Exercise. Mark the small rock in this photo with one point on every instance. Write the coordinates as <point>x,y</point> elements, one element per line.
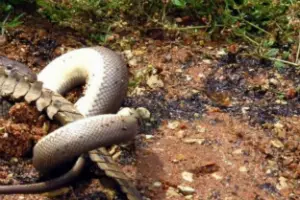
<point>206,61</point>
<point>173,125</point>
<point>157,184</point>
<point>282,183</point>
<point>133,62</point>
<point>273,81</point>
<point>201,75</point>
<point>243,169</point>
<point>277,144</point>
<point>216,176</point>
<point>186,190</point>
<point>138,91</point>
<point>128,54</point>
<point>154,82</point>
<point>245,110</point>
<point>282,102</point>
<point>148,137</point>
<point>188,78</point>
<point>188,197</point>
<point>200,129</point>
<point>180,134</point>
<point>187,176</point>
<point>5,135</point>
<point>220,53</point>
<point>179,70</point>
<point>14,160</point>
<point>171,192</point>
<point>238,151</point>
<point>193,140</point>
<point>278,125</point>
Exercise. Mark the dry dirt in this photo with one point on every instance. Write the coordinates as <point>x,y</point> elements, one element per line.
<point>222,126</point>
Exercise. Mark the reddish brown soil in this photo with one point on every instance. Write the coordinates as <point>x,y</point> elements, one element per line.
<point>232,122</point>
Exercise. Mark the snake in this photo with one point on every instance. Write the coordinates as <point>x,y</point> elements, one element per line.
<point>90,125</point>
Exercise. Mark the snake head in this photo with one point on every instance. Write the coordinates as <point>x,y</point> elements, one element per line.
<point>17,69</point>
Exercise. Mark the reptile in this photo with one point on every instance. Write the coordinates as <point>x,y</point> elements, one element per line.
<point>89,126</point>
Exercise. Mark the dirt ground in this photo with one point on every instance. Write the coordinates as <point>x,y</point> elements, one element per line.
<point>222,126</point>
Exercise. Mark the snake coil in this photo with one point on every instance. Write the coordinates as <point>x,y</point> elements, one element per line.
<point>90,125</point>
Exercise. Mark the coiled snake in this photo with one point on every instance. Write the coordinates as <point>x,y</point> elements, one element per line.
<point>91,124</point>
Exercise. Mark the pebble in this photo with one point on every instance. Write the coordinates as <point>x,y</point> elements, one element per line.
<point>188,197</point>
<point>221,53</point>
<point>273,81</point>
<point>216,176</point>
<point>193,140</point>
<point>133,62</point>
<point>238,151</point>
<point>200,129</point>
<point>282,183</point>
<point>243,169</point>
<point>186,190</point>
<point>5,135</point>
<point>245,109</point>
<point>128,54</point>
<point>187,176</point>
<point>171,192</point>
<point>188,78</point>
<point>154,82</point>
<point>157,184</point>
<point>148,137</point>
<point>277,144</point>
<point>207,61</point>
<point>173,124</point>
<point>14,160</point>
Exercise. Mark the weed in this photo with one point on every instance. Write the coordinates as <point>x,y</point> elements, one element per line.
<point>271,26</point>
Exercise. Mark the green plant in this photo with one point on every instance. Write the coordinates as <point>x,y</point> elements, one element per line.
<point>6,8</point>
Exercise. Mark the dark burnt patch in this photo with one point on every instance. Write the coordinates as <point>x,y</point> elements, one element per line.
<point>161,109</point>
<point>246,85</point>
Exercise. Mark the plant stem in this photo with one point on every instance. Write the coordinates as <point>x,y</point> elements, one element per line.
<point>298,51</point>
<point>3,24</point>
<point>257,27</point>
<point>283,61</point>
<point>250,39</point>
<point>192,27</point>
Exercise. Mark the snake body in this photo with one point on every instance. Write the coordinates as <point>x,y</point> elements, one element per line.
<point>90,124</point>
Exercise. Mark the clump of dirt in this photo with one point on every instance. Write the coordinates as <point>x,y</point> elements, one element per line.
<point>24,127</point>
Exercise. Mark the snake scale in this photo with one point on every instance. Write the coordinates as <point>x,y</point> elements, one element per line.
<point>89,126</point>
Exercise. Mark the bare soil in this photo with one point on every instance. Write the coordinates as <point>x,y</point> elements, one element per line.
<point>222,126</point>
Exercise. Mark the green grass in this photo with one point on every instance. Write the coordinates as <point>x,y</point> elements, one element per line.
<point>272,26</point>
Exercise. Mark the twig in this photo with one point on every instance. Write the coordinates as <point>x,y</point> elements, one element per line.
<point>192,27</point>
<point>250,39</point>
<point>257,27</point>
<point>283,61</point>
<point>298,51</point>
